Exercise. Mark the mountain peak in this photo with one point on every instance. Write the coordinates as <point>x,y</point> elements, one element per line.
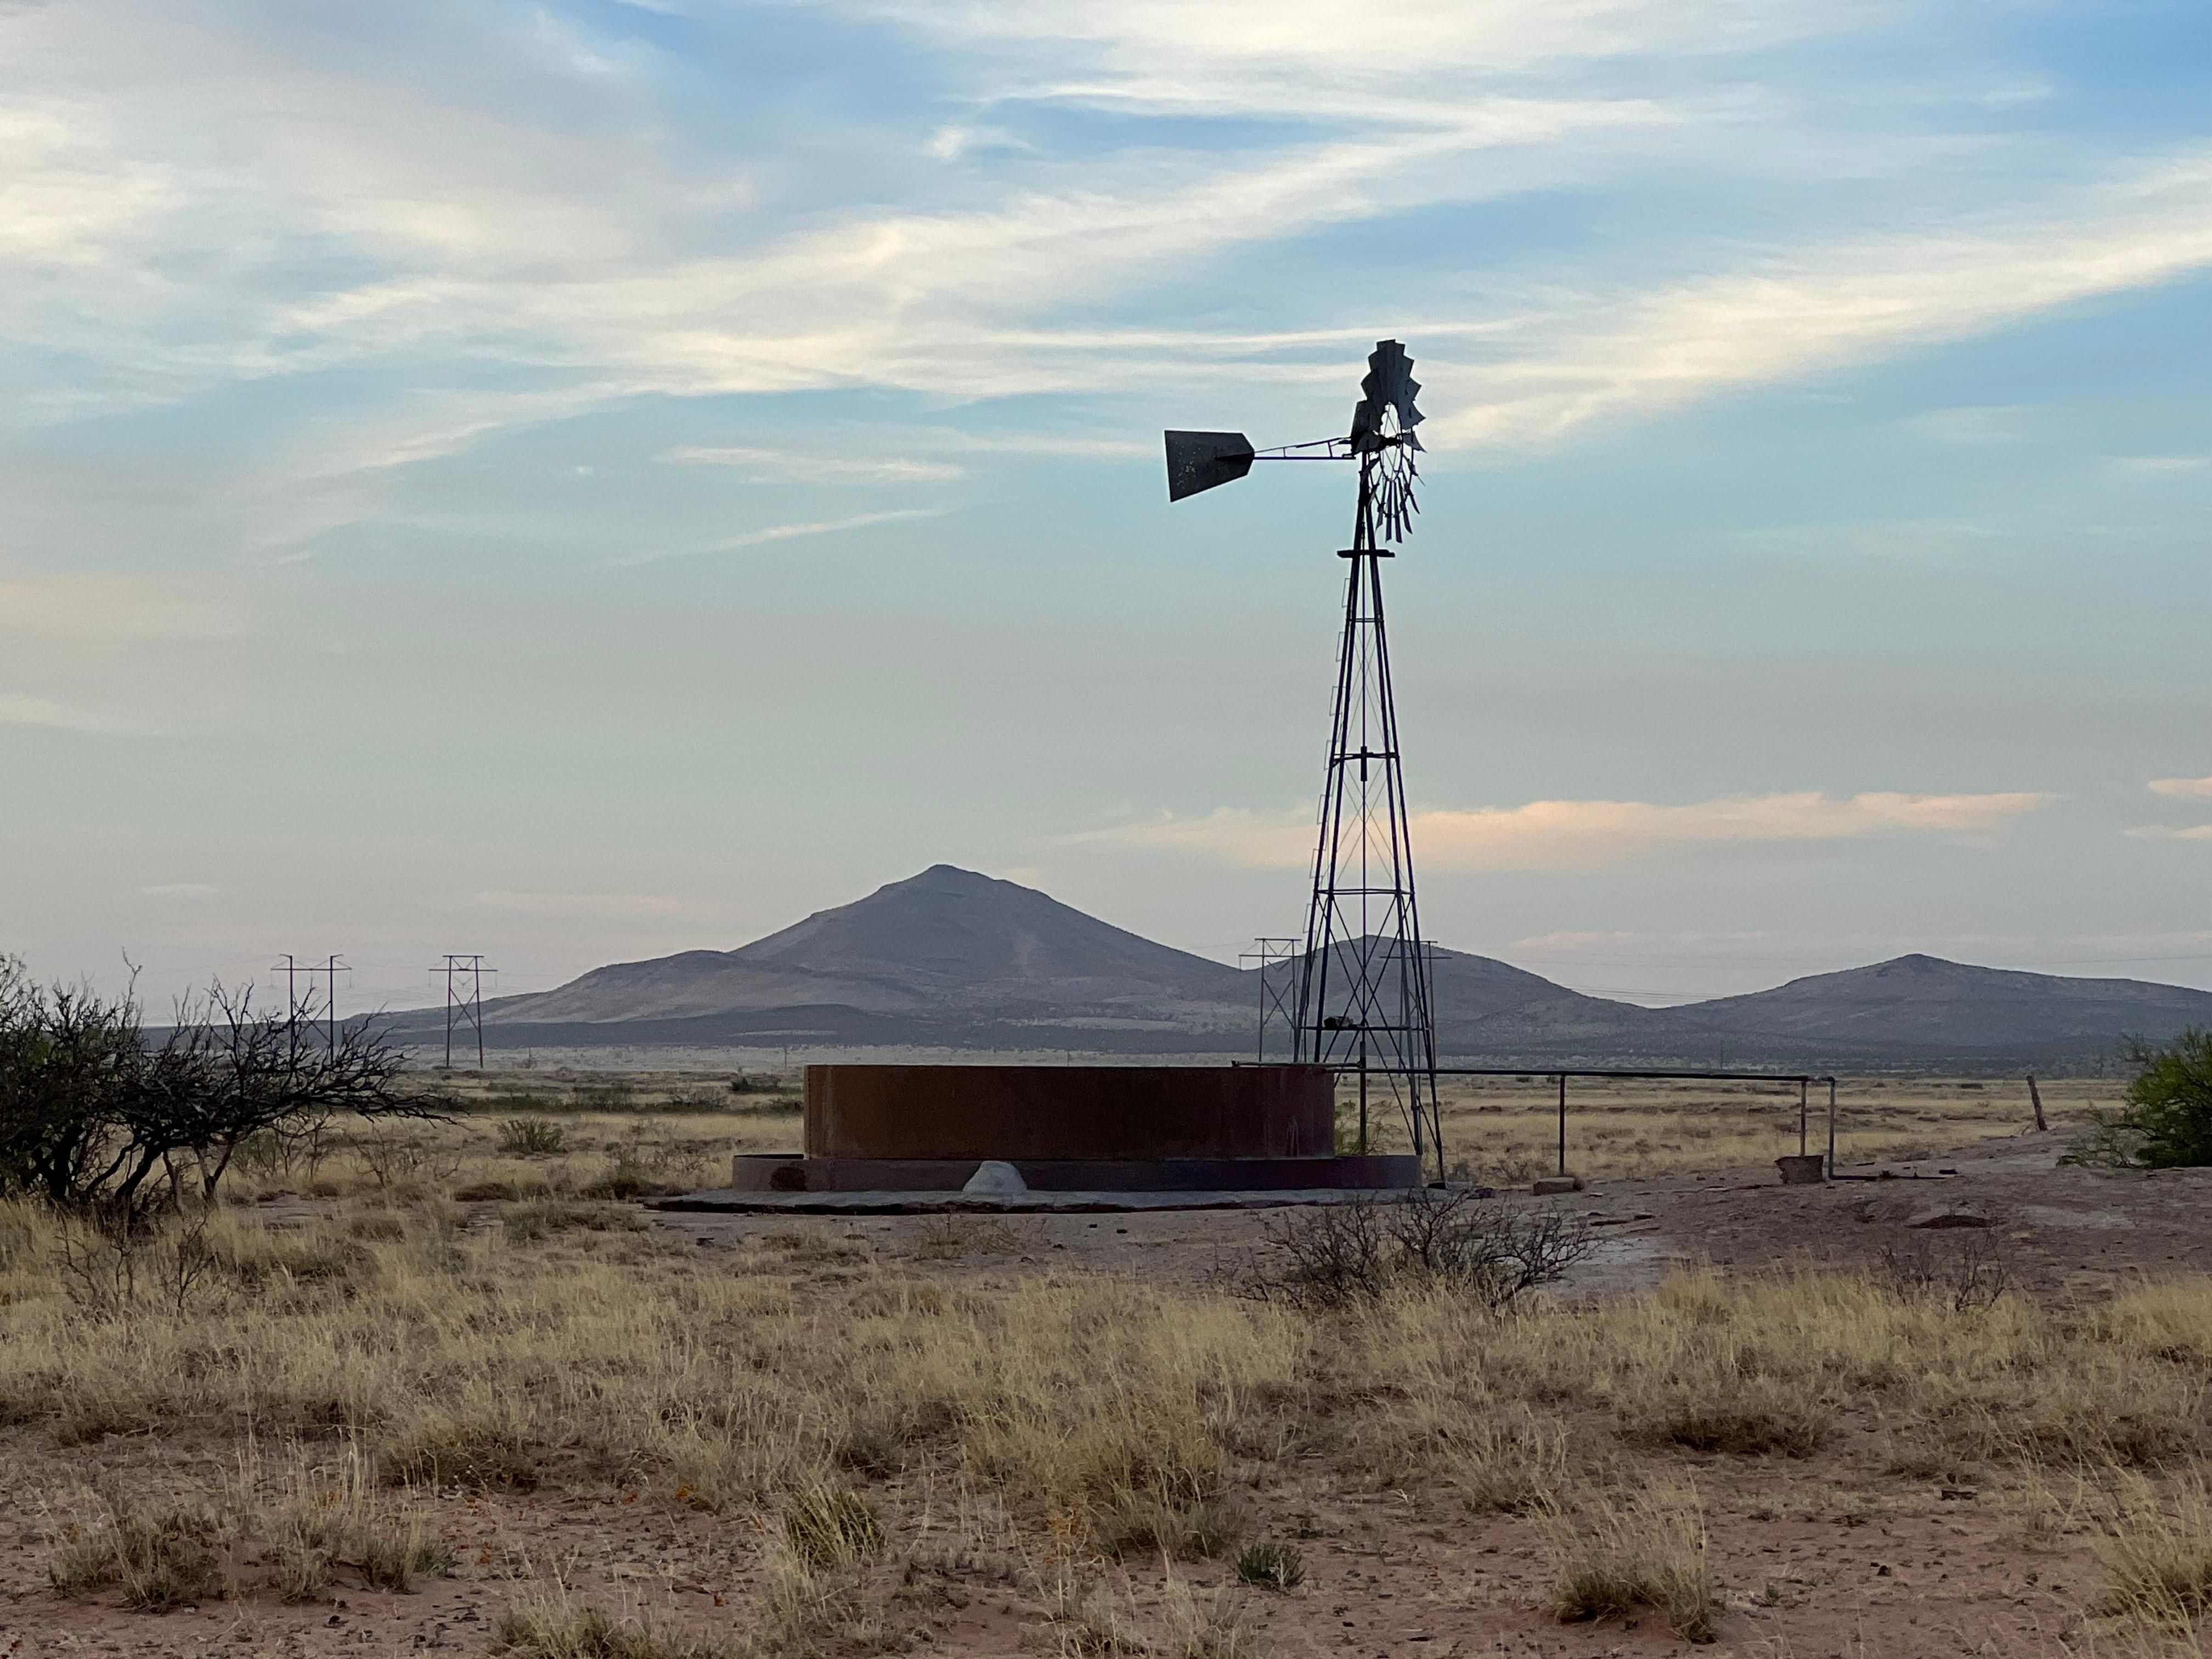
<point>945,877</point>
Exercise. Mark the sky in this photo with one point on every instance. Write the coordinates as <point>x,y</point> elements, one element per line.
<point>581,481</point>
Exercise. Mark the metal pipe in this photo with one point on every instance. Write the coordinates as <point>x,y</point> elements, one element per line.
<point>1831,1129</point>
<point>1563,1123</point>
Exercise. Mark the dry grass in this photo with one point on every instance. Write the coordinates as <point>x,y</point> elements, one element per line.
<point>1505,1130</point>
<point>411,1356</point>
<point>1647,1549</point>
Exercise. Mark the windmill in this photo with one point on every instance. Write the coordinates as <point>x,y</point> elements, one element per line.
<point>1364,996</point>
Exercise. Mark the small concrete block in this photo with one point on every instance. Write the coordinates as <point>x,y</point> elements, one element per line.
<point>1551,1186</point>
<point>996,1178</point>
<point>1950,1217</point>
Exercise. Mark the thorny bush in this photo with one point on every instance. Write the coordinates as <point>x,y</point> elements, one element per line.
<point>1336,1255</point>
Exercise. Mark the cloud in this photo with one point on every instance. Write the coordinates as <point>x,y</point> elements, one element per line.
<point>16,709</point>
<point>1580,835</point>
<point>2186,787</point>
<point>781,532</point>
<point>949,144</point>
<point>1841,302</point>
<point>581,904</point>
<point>2163,832</point>
<point>180,889</point>
<point>792,466</point>
<point>556,227</point>
<point>111,609</point>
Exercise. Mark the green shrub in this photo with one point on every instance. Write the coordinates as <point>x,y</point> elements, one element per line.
<point>2167,1123</point>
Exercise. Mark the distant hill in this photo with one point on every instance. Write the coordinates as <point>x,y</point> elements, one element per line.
<point>1922,1004</point>
<point>941,952</point>
<point>954,959</point>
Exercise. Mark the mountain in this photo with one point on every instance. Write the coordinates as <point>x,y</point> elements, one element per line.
<point>949,958</point>
<point>1922,1004</point>
<point>945,948</point>
<point>1488,1008</point>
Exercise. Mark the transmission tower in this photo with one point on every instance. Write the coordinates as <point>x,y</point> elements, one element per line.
<point>465,1005</point>
<point>302,1007</point>
<point>1365,1004</point>
<point>1276,995</point>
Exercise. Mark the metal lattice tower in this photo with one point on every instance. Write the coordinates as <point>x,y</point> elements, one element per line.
<point>464,1002</point>
<point>1277,1001</point>
<point>1364,1002</point>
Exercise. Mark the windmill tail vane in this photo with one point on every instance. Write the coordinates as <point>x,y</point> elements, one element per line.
<point>1365,1001</point>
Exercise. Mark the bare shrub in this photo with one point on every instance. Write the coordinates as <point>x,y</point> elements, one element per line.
<point>110,1272</point>
<point>1966,1271</point>
<point>1331,1256</point>
<point>1647,1550</point>
<point>530,1137</point>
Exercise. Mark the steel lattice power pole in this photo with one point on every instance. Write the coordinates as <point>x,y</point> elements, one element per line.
<point>301,1008</point>
<point>1275,992</point>
<point>1364,997</point>
<point>466,1004</point>
<point>331,970</point>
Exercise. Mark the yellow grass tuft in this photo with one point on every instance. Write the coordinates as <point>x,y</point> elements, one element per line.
<point>1613,1556</point>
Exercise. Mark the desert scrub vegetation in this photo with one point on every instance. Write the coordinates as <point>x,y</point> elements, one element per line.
<point>99,1121</point>
<point>2165,1120</point>
<point>822,1409</point>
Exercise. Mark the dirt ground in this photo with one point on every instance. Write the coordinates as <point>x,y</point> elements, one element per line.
<point>1864,1550</point>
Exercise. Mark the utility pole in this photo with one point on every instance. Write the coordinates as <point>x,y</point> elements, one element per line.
<point>332,969</point>
<point>466,1004</point>
<point>292,971</point>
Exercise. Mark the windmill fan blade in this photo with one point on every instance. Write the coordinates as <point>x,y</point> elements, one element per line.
<point>1200,460</point>
<point>1388,386</point>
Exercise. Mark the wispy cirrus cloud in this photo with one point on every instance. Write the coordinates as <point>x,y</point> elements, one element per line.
<point>2166,832</point>
<point>560,234</point>
<point>1577,834</point>
<point>796,466</point>
<point>2186,788</point>
<point>783,533</point>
